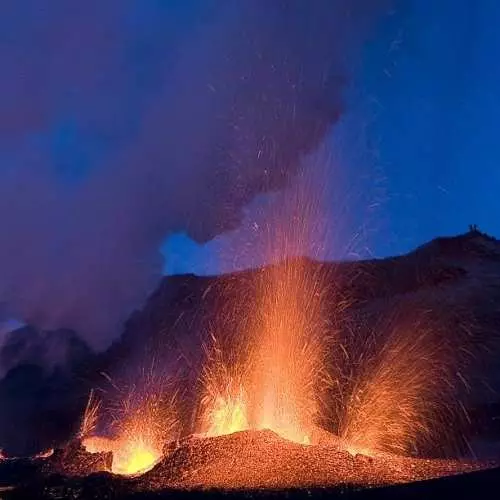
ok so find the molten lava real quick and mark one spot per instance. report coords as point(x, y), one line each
point(131, 455)
point(287, 359)
point(133, 452)
point(264, 386)
point(227, 415)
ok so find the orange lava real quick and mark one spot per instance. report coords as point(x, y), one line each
point(287, 359)
point(226, 415)
point(223, 405)
point(131, 455)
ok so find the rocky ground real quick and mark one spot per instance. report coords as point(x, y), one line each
point(254, 462)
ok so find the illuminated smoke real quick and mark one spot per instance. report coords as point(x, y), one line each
point(156, 127)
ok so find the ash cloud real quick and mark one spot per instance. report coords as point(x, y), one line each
point(124, 121)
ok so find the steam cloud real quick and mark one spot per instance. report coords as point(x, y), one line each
point(124, 121)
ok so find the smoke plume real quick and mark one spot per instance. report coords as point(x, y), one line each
point(125, 121)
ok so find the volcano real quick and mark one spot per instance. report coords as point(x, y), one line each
point(386, 418)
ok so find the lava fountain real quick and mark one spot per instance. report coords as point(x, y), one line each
point(224, 402)
point(402, 394)
point(143, 421)
point(271, 382)
point(287, 360)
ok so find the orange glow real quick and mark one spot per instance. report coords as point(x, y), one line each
point(143, 423)
point(272, 382)
point(224, 407)
point(398, 397)
point(227, 415)
point(45, 454)
point(287, 359)
point(135, 457)
point(131, 455)
point(137, 447)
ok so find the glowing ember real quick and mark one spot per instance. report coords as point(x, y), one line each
point(227, 415)
point(140, 442)
point(45, 454)
point(287, 359)
point(130, 456)
point(223, 403)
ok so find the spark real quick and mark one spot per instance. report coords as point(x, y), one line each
point(45, 454)
point(90, 416)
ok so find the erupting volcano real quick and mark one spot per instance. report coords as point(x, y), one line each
point(187, 298)
point(285, 394)
point(262, 403)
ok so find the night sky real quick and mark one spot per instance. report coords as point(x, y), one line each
point(418, 148)
point(92, 120)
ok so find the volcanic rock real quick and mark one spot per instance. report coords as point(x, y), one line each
point(264, 460)
point(74, 460)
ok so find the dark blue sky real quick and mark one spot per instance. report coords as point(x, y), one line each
point(418, 148)
point(435, 119)
point(126, 125)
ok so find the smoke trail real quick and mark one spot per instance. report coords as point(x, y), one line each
point(122, 123)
